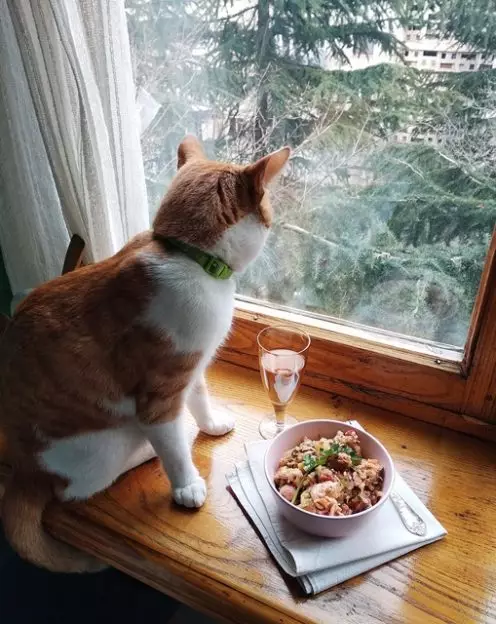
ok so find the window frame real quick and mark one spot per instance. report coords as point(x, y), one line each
point(455, 388)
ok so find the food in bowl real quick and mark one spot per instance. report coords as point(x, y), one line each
point(325, 525)
point(329, 476)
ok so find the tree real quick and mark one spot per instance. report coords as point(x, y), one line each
point(367, 228)
point(268, 53)
point(392, 235)
point(468, 23)
point(169, 66)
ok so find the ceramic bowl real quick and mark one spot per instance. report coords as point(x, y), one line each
point(326, 526)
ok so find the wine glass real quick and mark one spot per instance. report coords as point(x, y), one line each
point(283, 355)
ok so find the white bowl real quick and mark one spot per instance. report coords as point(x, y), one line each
point(326, 526)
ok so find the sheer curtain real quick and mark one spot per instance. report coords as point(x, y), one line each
point(70, 155)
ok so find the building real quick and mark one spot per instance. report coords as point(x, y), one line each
point(424, 51)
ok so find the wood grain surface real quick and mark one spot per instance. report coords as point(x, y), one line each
point(453, 387)
point(480, 352)
point(482, 305)
point(213, 560)
point(411, 378)
point(406, 387)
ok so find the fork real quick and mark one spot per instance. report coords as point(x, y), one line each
point(412, 521)
point(410, 518)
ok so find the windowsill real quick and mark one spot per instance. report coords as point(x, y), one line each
point(214, 561)
point(440, 357)
point(391, 377)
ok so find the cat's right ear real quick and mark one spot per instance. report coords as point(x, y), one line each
point(189, 149)
point(268, 168)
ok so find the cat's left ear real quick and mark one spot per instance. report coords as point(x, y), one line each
point(268, 167)
point(189, 149)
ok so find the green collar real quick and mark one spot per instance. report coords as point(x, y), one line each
point(212, 265)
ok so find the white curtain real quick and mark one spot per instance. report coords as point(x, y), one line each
point(70, 155)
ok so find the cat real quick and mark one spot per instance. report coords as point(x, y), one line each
point(97, 366)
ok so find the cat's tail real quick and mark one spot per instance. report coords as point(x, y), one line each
point(22, 508)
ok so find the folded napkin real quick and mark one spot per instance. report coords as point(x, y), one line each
point(319, 563)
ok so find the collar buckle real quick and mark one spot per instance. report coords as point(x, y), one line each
point(216, 268)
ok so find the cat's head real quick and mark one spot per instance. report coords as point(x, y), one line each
point(221, 208)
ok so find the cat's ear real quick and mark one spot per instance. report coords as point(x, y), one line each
point(268, 167)
point(189, 149)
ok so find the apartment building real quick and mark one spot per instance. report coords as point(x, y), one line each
point(424, 51)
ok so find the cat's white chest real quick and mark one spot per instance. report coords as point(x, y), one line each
point(192, 308)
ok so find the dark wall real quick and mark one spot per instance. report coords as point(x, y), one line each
point(5, 293)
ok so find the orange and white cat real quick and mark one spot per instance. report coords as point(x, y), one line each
point(97, 366)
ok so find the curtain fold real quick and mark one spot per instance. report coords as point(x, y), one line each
point(67, 64)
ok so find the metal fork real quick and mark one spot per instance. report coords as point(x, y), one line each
point(412, 521)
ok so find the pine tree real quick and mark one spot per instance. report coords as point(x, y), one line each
point(367, 229)
point(268, 56)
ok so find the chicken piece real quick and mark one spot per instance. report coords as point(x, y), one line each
point(353, 440)
point(306, 499)
point(330, 489)
point(350, 438)
point(370, 472)
point(325, 474)
point(294, 457)
point(324, 444)
point(287, 492)
point(346, 480)
point(287, 476)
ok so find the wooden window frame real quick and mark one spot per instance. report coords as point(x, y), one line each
point(455, 388)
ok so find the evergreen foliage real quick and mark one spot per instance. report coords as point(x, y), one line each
point(368, 228)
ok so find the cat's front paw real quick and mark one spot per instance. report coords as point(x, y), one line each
point(191, 495)
point(217, 425)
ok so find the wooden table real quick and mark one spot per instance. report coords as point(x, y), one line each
point(213, 560)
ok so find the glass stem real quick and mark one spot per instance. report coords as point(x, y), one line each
point(280, 412)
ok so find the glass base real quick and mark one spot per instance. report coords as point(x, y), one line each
point(269, 428)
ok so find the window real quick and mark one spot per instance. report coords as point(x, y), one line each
point(471, 66)
point(453, 56)
point(376, 241)
point(443, 55)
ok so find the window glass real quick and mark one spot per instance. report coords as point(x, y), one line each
point(385, 213)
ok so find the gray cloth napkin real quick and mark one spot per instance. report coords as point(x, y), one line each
point(319, 563)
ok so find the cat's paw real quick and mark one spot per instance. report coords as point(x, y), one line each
point(191, 495)
point(217, 425)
